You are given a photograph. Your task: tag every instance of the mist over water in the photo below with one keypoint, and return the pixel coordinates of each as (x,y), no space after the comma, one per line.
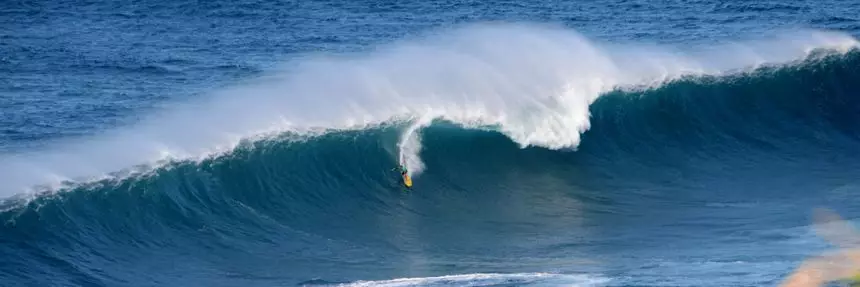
(534,83)
(589,143)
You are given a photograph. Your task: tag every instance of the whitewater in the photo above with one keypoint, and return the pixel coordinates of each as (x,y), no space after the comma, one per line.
(532,83)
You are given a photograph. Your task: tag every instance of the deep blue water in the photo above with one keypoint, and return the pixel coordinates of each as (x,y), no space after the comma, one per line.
(590,143)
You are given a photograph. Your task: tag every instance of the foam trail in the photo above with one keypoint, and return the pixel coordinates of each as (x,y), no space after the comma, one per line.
(489,279)
(409,146)
(534,83)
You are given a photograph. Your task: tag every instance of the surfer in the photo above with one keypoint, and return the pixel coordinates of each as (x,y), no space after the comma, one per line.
(400,168)
(404,174)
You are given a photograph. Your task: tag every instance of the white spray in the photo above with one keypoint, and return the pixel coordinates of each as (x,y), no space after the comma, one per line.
(534,83)
(409,146)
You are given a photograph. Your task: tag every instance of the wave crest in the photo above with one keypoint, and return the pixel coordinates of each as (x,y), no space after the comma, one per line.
(533,83)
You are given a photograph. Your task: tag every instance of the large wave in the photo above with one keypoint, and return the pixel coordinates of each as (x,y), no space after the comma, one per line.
(534,84)
(287,204)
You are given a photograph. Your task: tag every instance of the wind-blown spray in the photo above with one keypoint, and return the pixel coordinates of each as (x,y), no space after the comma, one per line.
(533,83)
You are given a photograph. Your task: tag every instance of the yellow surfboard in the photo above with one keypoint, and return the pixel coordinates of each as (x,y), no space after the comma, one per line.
(407,180)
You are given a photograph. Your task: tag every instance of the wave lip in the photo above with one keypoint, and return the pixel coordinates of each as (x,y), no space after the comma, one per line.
(534,84)
(487,279)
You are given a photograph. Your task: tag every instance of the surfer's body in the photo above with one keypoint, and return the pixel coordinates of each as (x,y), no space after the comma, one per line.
(401,169)
(405,175)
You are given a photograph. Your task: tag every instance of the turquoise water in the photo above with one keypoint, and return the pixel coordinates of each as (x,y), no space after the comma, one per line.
(593,143)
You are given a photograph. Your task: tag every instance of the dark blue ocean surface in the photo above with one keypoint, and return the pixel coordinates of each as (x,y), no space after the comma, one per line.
(582,143)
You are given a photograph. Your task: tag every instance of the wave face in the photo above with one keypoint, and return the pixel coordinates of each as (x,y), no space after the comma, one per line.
(538,157)
(534,84)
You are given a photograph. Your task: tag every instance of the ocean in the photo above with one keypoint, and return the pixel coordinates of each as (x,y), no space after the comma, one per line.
(551,143)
